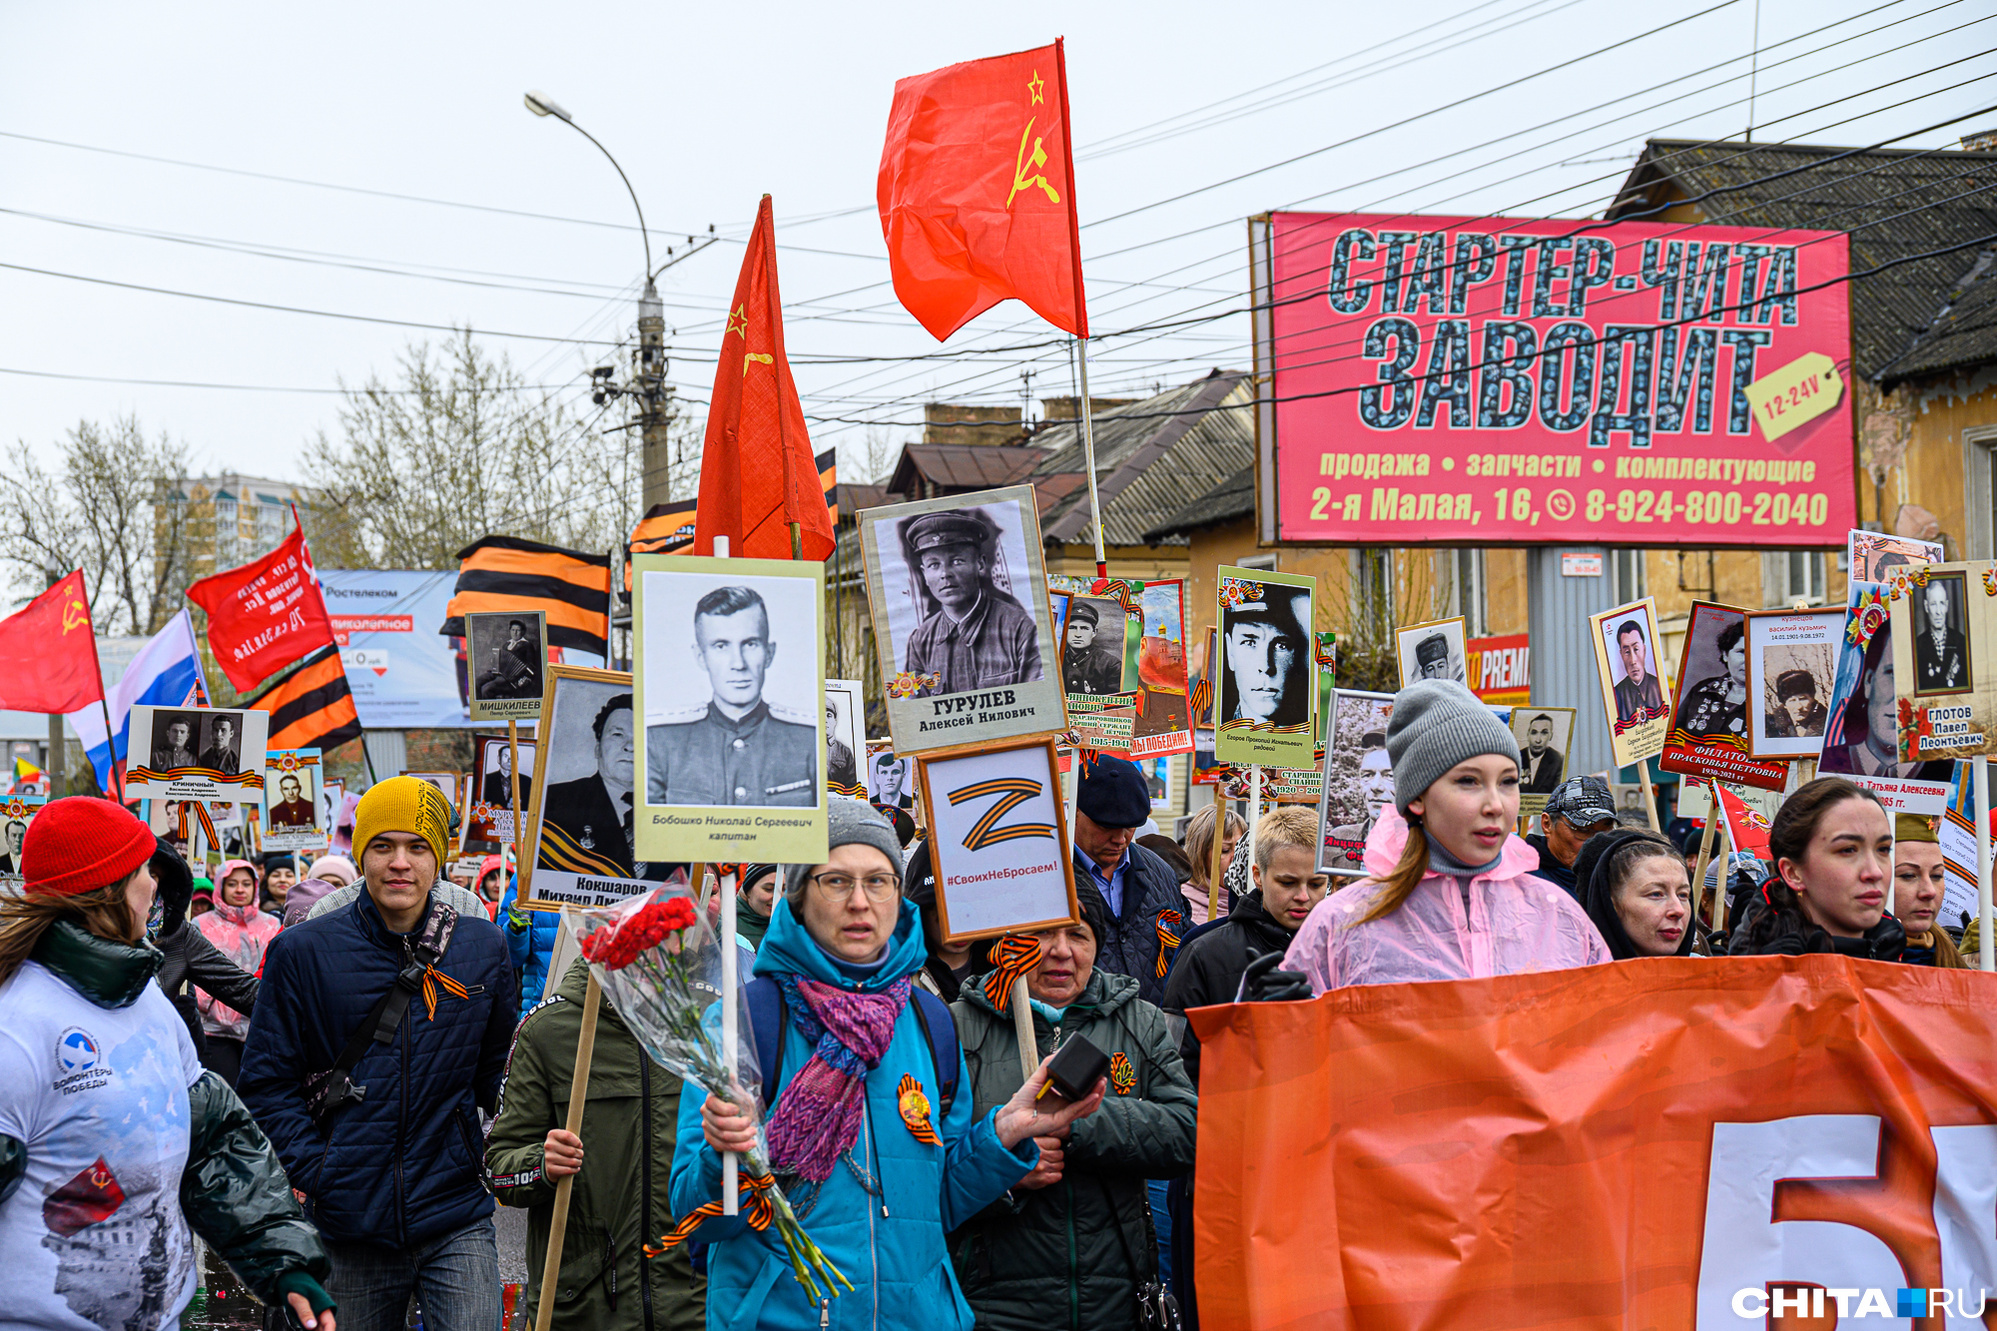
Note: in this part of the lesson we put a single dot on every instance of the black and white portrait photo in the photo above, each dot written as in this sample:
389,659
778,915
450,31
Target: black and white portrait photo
1712,693
507,658
1544,735
1358,778
585,791
890,780
843,742
1093,635
1267,682
16,812
1435,650
489,813
959,599
732,701
200,753
1941,638
1791,665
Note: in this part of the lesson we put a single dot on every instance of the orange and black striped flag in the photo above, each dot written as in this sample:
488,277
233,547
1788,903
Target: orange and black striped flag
311,707
667,529
507,573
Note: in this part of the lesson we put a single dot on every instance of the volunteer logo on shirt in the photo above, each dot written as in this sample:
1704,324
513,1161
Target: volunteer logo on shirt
79,1062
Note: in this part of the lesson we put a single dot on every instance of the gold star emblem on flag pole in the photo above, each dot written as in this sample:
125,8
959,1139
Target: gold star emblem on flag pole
738,323
1034,85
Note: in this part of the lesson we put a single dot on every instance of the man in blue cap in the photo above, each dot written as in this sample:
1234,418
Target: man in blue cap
1111,805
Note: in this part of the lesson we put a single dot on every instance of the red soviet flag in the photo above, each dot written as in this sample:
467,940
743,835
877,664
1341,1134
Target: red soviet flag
266,614
977,192
757,473
1746,827
48,653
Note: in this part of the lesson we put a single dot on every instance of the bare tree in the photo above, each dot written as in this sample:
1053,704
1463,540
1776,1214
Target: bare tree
105,506
456,448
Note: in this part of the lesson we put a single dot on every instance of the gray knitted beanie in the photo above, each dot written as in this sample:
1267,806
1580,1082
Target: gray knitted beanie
848,821
1437,724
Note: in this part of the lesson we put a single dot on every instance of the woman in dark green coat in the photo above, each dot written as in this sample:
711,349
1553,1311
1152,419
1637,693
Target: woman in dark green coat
1071,1245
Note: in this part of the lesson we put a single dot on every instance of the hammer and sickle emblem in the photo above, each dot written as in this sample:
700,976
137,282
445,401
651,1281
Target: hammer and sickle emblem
1022,163
766,357
74,616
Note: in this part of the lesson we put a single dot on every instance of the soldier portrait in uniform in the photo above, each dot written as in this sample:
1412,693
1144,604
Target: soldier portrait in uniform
507,658
843,740
1266,658
172,740
1716,704
1358,778
1941,643
1092,646
222,749
194,741
13,833
748,744
972,627
1639,694
292,811
1435,650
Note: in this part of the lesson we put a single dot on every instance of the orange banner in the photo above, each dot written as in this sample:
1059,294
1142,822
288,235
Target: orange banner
1662,1143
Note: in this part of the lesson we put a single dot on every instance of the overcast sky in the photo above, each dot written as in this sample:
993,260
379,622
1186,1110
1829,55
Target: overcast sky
708,107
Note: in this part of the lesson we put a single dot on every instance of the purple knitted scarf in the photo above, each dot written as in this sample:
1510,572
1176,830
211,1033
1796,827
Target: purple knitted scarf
818,1115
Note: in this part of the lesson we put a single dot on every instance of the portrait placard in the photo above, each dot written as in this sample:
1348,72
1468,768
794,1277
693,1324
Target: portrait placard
890,776
1435,650
198,753
293,817
845,710
1358,779
16,812
731,689
489,803
958,591
1708,737
1546,737
1862,741
1265,695
1149,713
1791,662
999,838
584,782
1874,556
1633,693
1944,633
507,656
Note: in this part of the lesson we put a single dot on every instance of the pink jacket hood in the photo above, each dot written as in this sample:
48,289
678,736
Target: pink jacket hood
1509,921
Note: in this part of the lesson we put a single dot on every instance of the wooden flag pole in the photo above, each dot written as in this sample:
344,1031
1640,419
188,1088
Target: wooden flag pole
1713,816
1649,795
1980,766
1022,1028
551,1265
513,763
1254,807
1089,454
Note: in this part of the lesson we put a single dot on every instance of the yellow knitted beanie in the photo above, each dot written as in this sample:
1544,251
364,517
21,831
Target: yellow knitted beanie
403,804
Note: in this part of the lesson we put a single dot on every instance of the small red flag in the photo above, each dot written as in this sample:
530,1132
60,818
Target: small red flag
48,653
1746,827
266,614
757,474
977,192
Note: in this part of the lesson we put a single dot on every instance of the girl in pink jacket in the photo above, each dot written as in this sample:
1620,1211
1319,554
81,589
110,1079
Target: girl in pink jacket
239,932
1449,892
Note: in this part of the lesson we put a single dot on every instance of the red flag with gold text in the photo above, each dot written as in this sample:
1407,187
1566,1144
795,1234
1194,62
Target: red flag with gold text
977,192
48,652
265,614
757,474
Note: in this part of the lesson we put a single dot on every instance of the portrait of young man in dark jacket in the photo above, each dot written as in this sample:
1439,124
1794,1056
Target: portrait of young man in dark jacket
393,1176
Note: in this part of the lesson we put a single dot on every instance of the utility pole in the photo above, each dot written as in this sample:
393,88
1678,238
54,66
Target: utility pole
648,382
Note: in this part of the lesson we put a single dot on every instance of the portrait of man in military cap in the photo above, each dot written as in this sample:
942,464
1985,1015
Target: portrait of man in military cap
1092,655
1359,778
1434,650
739,747
972,632
1266,655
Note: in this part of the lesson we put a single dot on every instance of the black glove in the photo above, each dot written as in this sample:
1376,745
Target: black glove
176,885
1262,982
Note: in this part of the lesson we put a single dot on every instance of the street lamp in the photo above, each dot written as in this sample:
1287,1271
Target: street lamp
543,105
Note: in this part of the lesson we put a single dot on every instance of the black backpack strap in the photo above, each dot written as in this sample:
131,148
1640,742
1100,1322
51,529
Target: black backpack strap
328,1090
939,1032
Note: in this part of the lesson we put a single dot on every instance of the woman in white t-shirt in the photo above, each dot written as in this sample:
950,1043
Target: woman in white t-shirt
107,1122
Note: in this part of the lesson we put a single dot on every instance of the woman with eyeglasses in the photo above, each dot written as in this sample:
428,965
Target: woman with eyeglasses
870,1126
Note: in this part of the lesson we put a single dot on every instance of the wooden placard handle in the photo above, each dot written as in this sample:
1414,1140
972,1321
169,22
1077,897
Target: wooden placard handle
551,1265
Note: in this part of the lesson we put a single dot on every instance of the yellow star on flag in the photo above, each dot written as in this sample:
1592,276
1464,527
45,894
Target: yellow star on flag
1034,85
740,314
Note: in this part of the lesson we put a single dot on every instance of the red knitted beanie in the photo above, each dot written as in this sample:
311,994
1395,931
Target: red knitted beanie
82,843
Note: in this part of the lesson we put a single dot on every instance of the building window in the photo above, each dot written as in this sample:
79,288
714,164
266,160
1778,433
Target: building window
1798,576
1467,591
1372,595
1630,582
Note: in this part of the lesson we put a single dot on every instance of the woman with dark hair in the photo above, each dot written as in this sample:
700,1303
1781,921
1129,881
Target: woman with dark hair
1833,853
1637,892
1449,892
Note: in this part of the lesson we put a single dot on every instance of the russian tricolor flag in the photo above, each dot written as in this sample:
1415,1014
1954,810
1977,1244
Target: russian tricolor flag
166,672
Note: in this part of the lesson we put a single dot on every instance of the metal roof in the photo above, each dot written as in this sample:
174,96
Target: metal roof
1152,458
1925,317
1230,501
962,466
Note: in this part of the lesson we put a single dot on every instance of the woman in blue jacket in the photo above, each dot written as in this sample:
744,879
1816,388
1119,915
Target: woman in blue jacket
877,1178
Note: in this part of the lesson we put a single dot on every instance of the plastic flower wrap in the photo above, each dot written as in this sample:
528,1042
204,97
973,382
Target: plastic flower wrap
659,963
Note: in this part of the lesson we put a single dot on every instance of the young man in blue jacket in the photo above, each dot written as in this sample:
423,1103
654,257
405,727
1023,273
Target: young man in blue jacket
380,1030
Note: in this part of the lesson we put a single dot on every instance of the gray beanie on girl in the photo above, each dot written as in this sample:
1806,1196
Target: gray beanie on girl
1437,724
848,821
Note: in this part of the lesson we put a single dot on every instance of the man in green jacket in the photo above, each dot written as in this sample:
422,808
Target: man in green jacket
1071,1244
618,1200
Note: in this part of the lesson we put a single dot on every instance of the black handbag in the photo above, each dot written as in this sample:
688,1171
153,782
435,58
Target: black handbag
1157,1306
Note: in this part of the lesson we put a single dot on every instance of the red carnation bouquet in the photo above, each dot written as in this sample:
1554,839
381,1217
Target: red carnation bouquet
659,963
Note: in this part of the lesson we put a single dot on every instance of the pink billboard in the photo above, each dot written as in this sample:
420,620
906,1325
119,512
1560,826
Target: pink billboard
1491,381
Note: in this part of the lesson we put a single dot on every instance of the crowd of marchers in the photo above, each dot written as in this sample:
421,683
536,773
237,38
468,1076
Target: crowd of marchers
330,1084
